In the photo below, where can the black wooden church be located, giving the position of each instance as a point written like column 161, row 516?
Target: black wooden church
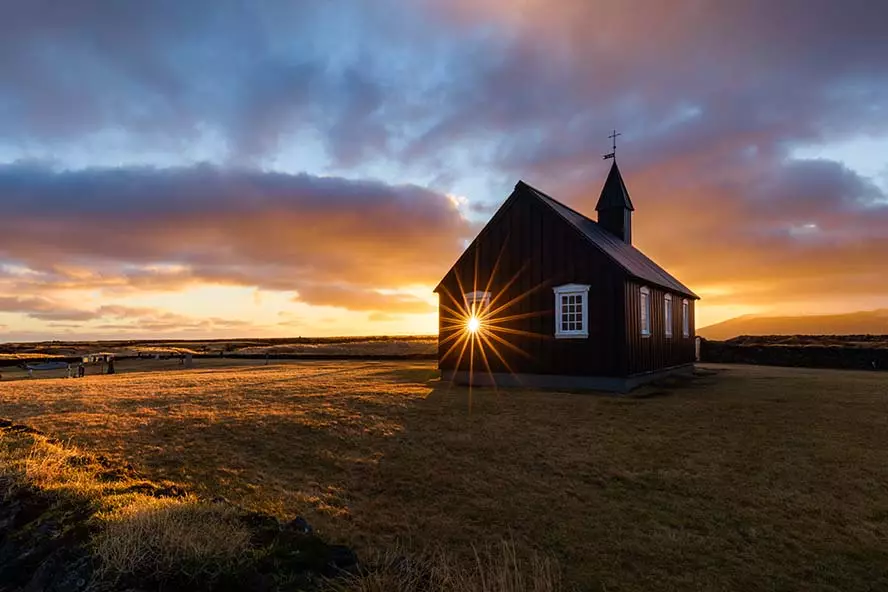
column 546, row 297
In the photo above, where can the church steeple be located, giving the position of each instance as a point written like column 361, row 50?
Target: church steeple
column 614, row 206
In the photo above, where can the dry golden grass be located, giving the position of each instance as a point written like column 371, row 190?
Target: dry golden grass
column 24, row 357
column 138, row 533
column 354, row 346
column 751, row 479
column 183, row 539
column 171, row 536
column 162, row 350
column 391, row 346
column 495, row 568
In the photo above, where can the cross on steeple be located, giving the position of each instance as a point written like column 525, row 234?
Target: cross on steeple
column 613, row 153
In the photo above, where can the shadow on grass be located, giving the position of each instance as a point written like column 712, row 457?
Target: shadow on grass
column 699, row 484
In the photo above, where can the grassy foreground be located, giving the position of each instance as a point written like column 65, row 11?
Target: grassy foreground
column 72, row 521
column 75, row 522
column 747, row 479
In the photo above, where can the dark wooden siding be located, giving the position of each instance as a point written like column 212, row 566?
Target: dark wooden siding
column 539, row 250
column 654, row 352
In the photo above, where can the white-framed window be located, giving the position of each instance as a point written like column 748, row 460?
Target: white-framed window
column 685, row 318
column 667, row 315
column 571, row 311
column 645, row 311
column 477, row 301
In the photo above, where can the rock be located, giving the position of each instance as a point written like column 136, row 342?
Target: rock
column 264, row 529
column 342, row 558
column 67, row 570
column 44, row 542
column 300, row 524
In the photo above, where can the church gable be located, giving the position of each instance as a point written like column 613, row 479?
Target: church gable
column 522, row 230
column 544, row 291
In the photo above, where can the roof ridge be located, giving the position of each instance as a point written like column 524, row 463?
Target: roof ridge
column 551, row 203
column 560, row 203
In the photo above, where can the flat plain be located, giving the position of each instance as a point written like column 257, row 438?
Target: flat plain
column 744, row 478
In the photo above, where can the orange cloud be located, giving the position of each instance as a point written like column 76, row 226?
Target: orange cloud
column 335, row 242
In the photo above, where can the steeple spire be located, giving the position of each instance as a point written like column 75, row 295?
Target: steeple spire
column 614, row 206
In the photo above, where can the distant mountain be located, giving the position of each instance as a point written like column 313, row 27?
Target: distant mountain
column 874, row 322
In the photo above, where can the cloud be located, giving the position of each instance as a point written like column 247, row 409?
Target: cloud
column 335, row 241
column 175, row 323
column 43, row 309
column 712, row 100
column 362, row 299
column 133, row 319
column 420, row 80
column 676, row 78
column 382, row 317
column 163, row 76
column 790, row 232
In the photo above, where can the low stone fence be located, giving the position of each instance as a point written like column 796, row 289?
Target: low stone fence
column 807, row 356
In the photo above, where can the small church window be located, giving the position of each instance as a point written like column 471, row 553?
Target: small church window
column 667, row 314
column 477, row 301
column 685, row 318
column 571, row 311
column 645, row 312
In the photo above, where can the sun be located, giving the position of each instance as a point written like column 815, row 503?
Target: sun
column 477, row 329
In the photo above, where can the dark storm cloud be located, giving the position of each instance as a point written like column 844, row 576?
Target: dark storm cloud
column 330, row 239
column 166, row 72
column 406, row 80
column 678, row 77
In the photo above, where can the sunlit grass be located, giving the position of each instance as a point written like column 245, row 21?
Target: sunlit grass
column 135, row 532
column 167, row 536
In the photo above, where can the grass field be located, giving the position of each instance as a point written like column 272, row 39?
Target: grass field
column 364, row 346
column 749, row 478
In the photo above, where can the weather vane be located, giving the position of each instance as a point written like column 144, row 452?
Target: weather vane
column 613, row 153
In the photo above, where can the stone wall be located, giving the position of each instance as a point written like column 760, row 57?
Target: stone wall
column 807, row 356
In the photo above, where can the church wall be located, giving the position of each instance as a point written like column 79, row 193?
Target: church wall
column 656, row 351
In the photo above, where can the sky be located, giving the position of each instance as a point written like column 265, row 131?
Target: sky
column 221, row 168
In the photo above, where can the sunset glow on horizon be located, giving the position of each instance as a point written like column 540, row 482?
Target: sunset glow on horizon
column 314, row 168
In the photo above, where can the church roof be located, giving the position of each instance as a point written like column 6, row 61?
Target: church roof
column 614, row 193
column 633, row 261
